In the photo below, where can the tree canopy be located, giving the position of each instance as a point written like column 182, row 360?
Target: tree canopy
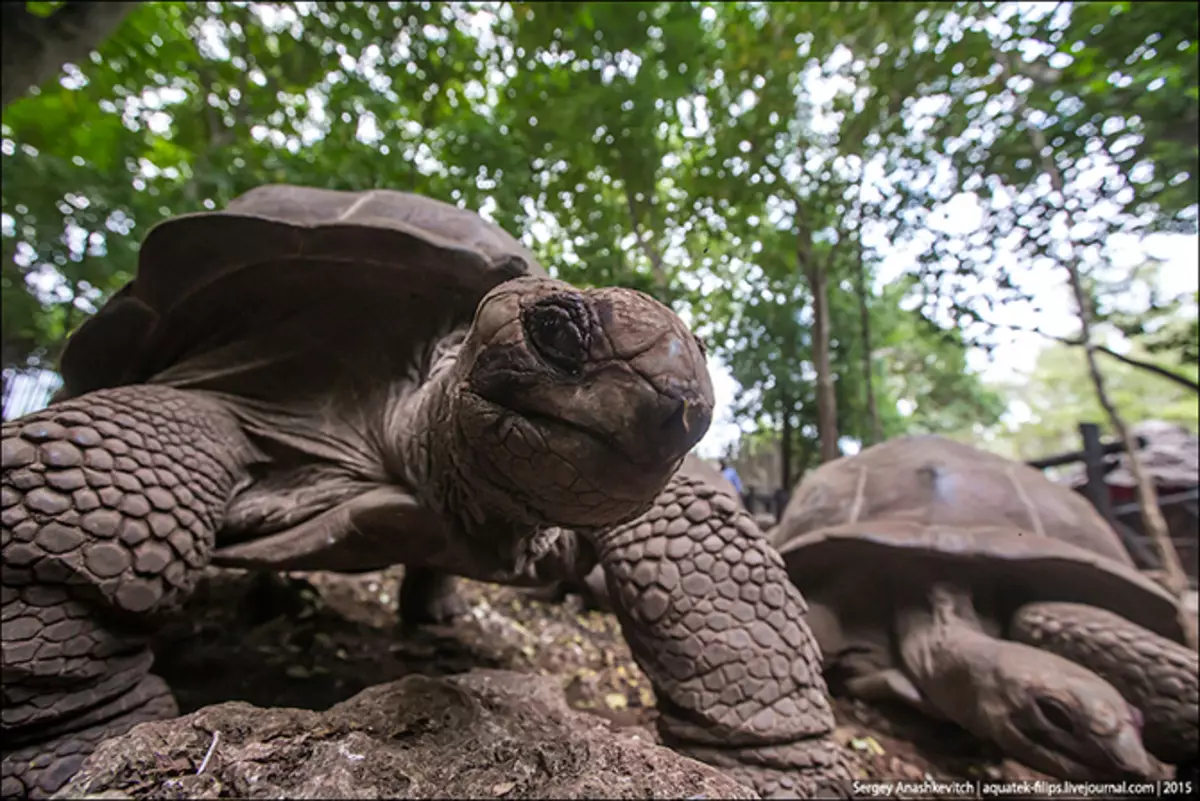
column 756, row 165
column 1055, row 397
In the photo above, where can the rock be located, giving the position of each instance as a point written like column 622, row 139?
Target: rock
column 482, row 734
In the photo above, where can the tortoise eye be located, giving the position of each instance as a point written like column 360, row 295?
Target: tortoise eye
column 1055, row 714
column 560, row 330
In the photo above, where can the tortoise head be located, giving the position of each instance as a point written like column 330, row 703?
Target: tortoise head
column 580, row 403
column 1063, row 719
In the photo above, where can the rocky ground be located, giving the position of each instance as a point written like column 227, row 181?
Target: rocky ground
column 312, row 640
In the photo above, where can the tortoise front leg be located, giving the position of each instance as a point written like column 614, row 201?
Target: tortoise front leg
column 110, row 501
column 1156, row 675
column 713, row 620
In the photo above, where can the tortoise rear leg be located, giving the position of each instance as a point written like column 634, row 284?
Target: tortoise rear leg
column 110, row 504
column 429, row 596
column 1154, row 674
column 711, row 617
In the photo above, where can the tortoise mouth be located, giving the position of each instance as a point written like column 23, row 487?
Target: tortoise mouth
column 1077, row 763
column 556, row 426
column 543, row 420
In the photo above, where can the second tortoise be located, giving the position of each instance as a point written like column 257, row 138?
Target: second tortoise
column 977, row 590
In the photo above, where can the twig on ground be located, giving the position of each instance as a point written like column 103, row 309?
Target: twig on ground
column 211, row 748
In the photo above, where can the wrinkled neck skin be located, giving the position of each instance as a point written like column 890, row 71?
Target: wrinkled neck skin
column 946, row 650
column 491, row 536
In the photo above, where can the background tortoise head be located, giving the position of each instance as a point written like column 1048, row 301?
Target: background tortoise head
column 1063, row 719
column 585, row 400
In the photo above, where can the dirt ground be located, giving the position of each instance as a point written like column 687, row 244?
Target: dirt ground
column 310, row 640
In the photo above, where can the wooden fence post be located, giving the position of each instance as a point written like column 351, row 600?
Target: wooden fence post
column 1093, row 460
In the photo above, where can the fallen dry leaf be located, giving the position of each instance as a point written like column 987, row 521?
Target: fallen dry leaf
column 616, row 701
column 869, row 744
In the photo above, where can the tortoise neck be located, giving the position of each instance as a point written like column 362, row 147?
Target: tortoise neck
column 941, row 620
column 423, row 428
column 947, row 650
column 948, row 608
column 433, row 458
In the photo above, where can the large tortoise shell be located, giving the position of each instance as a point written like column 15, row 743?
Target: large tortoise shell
column 916, row 509
column 208, row 279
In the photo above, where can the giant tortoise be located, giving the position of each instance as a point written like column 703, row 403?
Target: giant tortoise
column 975, row 589
column 317, row 379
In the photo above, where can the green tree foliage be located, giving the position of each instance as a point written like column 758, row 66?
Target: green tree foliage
column 591, row 106
column 925, row 375
column 728, row 158
column 992, row 100
column 1164, row 324
column 189, row 105
column 1059, row 397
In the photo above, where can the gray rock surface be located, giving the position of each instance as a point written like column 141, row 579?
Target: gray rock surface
column 482, row 734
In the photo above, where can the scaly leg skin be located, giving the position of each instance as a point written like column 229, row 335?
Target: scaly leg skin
column 429, row 596
column 711, row 617
column 1154, row 674
column 110, row 501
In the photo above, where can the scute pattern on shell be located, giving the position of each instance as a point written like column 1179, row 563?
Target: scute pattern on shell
column 930, row 502
column 937, row 481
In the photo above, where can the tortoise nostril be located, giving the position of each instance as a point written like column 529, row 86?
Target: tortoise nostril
column 677, row 418
column 683, row 425
column 560, row 330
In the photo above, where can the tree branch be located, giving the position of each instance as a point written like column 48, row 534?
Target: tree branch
column 1152, row 517
column 1183, row 381
column 659, row 269
column 1132, row 361
column 35, row 48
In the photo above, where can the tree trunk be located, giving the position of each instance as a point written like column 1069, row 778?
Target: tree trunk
column 658, row 268
column 811, row 266
column 35, row 48
column 827, row 426
column 875, row 432
column 803, row 460
column 785, row 444
column 1152, row 518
